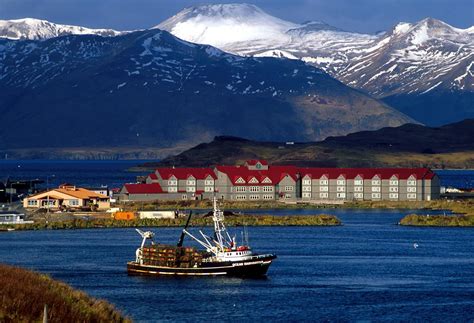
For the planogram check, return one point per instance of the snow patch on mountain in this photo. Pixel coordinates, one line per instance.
(221, 24)
(33, 29)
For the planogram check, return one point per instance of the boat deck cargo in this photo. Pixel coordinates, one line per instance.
(222, 255)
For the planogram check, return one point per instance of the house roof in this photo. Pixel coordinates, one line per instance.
(253, 162)
(80, 193)
(153, 188)
(367, 173)
(184, 173)
(152, 176)
(274, 173)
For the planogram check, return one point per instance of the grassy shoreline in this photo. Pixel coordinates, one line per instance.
(422, 220)
(24, 294)
(236, 221)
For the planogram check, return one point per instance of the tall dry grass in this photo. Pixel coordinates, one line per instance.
(24, 293)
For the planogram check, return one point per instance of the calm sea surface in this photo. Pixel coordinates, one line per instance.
(365, 270)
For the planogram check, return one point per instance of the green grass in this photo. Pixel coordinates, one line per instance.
(24, 293)
(240, 220)
(438, 220)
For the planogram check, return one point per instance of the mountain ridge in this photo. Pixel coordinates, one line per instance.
(35, 29)
(149, 88)
(425, 59)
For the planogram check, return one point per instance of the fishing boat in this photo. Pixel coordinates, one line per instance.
(221, 255)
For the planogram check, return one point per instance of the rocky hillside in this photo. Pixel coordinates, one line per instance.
(151, 89)
(409, 145)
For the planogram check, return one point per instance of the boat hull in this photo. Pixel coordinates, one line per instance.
(255, 267)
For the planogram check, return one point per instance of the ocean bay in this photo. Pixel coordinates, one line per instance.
(364, 269)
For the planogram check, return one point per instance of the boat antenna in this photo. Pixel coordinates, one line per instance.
(183, 233)
(246, 235)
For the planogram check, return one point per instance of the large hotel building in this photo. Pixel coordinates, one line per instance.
(256, 180)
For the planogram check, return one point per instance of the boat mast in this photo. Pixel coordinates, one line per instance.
(219, 227)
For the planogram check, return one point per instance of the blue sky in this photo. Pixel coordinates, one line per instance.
(353, 15)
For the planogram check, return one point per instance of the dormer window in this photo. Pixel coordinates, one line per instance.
(253, 180)
(393, 181)
(240, 180)
(191, 181)
(266, 180)
(359, 181)
(172, 181)
(375, 181)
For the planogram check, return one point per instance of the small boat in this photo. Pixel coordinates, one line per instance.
(221, 255)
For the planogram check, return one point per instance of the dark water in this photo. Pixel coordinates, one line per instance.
(456, 178)
(80, 173)
(365, 270)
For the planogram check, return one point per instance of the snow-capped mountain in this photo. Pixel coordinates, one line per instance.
(417, 59)
(149, 88)
(222, 24)
(29, 28)
(414, 58)
(400, 61)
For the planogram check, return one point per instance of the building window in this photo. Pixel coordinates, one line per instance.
(323, 182)
(376, 189)
(289, 188)
(74, 202)
(341, 182)
(288, 196)
(254, 197)
(306, 182)
(358, 188)
(358, 195)
(32, 202)
(254, 189)
(393, 189)
(324, 188)
(240, 189)
(209, 182)
(268, 197)
(191, 182)
(411, 189)
(306, 188)
(172, 189)
(411, 183)
(306, 195)
(393, 195)
(172, 182)
(323, 195)
(375, 182)
(375, 195)
(341, 195)
(191, 189)
(184, 197)
(267, 188)
(358, 182)
(240, 197)
(341, 188)
(208, 189)
(411, 196)
(394, 182)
